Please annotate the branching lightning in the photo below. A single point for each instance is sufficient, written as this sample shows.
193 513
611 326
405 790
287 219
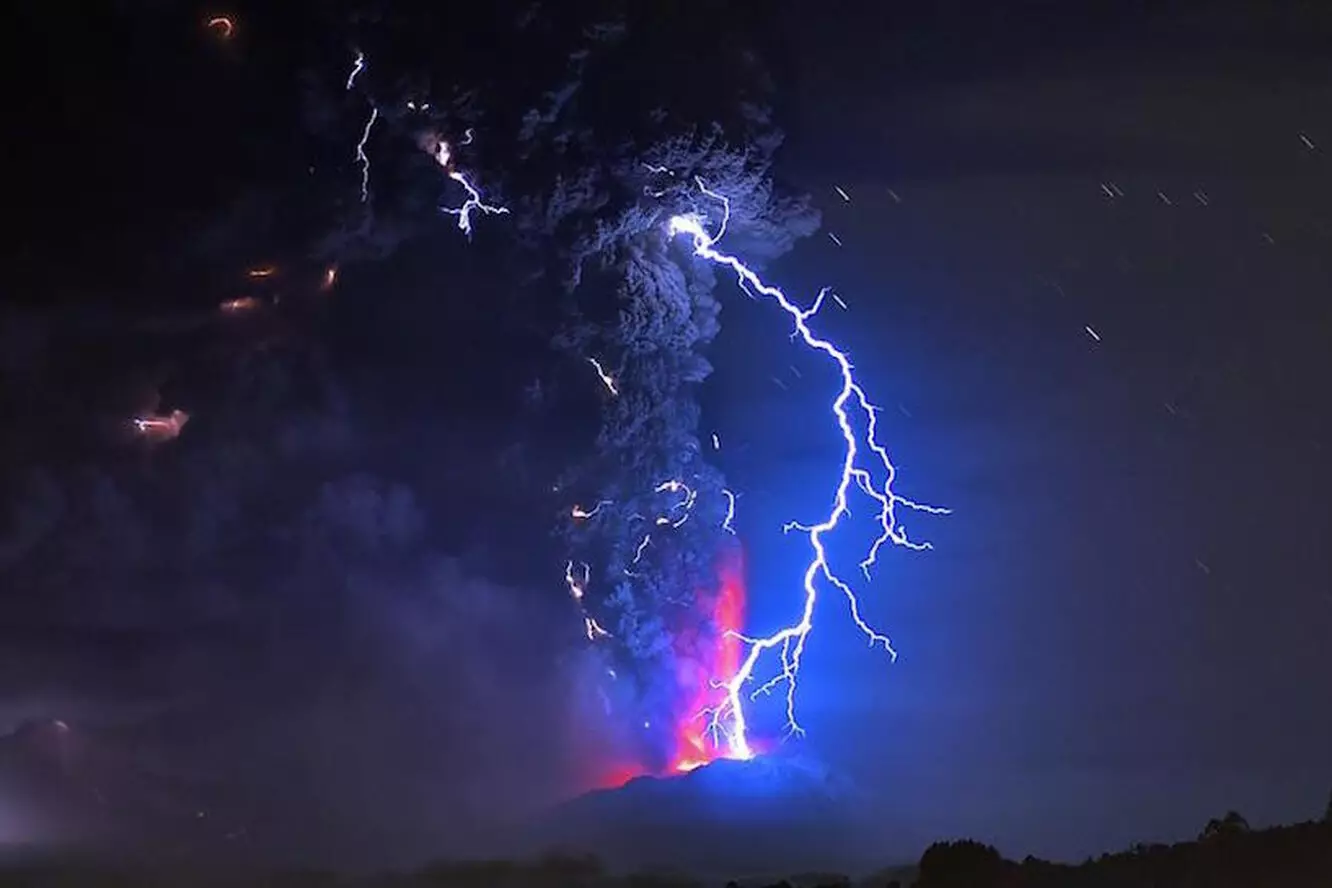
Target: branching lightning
438 148
443 154
865 465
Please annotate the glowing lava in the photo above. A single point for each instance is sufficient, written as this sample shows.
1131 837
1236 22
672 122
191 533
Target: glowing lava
695 743
717 652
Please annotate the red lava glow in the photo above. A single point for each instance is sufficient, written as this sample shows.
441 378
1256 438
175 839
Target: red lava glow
713 657
694 744
618 776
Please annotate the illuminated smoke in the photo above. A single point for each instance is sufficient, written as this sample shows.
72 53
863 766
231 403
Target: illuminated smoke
655 550
659 551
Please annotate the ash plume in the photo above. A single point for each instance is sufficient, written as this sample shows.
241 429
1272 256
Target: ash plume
280 588
592 146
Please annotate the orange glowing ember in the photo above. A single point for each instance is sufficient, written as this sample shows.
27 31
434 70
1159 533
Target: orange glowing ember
237 306
263 271
223 25
161 428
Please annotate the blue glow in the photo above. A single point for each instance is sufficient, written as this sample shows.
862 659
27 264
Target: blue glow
865 464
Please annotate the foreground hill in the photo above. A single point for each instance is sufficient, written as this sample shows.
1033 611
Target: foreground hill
1226 855
730 819
741 822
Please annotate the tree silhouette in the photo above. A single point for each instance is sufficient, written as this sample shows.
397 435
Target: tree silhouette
1230 825
963 864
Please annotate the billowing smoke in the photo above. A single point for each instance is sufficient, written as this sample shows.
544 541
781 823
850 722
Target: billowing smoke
645 317
317 586
605 125
276 603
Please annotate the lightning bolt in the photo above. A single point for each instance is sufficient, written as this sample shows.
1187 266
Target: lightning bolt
865 466
443 154
685 505
638 555
606 379
357 67
727 524
578 591
581 514
161 428
642 546
361 156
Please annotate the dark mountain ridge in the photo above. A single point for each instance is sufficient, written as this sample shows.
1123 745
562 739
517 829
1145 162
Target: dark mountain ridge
775 813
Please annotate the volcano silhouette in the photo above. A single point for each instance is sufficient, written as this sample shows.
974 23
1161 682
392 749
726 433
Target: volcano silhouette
771 815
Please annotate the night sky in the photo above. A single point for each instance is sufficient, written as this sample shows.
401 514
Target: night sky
1084 259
